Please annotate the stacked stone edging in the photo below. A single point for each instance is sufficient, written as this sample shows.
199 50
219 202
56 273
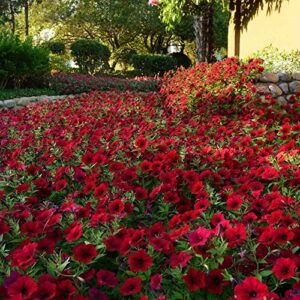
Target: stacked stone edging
19 102
282 86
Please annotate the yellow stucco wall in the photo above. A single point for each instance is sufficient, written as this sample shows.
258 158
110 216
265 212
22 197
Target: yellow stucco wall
280 28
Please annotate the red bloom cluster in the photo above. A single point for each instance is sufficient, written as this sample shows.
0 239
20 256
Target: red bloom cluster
111 195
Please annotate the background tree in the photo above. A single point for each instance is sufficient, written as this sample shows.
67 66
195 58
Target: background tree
203 15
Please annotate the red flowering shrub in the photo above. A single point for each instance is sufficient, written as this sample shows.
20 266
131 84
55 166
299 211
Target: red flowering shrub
80 83
226 83
112 195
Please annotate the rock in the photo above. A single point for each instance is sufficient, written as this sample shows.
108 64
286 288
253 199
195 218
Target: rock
294 86
23 101
9 103
296 76
269 77
284 87
284 77
282 101
1 104
276 91
263 88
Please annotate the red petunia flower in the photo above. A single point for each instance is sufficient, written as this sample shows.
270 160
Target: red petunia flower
199 237
85 253
24 257
269 173
23 287
284 268
155 281
140 261
105 277
65 290
141 193
101 190
234 202
179 259
214 282
46 291
131 286
251 289
116 207
73 232
194 279
4 228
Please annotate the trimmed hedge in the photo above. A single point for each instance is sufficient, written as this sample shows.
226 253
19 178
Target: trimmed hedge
90 56
151 64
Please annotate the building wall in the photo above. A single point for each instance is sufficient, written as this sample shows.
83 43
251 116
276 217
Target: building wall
279 28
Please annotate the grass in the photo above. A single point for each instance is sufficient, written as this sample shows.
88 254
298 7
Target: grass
27 92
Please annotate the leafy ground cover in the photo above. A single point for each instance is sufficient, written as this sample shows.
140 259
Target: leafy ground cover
117 195
16 93
80 83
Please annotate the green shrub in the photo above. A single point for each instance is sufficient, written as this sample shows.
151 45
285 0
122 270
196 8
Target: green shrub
90 56
56 47
21 63
123 56
276 60
182 60
150 64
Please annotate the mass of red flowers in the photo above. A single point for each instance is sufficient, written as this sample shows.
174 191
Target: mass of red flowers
121 195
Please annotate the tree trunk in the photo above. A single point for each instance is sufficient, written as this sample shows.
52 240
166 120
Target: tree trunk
26 10
199 38
12 17
203 26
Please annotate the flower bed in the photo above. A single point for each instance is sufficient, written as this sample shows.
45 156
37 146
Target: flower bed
80 83
129 200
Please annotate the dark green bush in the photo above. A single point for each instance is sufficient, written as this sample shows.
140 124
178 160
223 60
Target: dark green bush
90 56
182 60
123 56
150 64
56 47
21 63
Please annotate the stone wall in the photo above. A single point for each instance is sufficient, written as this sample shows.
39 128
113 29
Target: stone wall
19 102
282 86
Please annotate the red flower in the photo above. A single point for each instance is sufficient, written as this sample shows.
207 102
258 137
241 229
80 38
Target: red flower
155 281
73 232
23 287
85 253
284 268
179 259
108 278
141 193
46 245
65 290
140 261
101 190
199 237
194 279
131 286
46 291
214 282
4 228
269 173
116 207
234 202
171 197
24 257
60 185
251 289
